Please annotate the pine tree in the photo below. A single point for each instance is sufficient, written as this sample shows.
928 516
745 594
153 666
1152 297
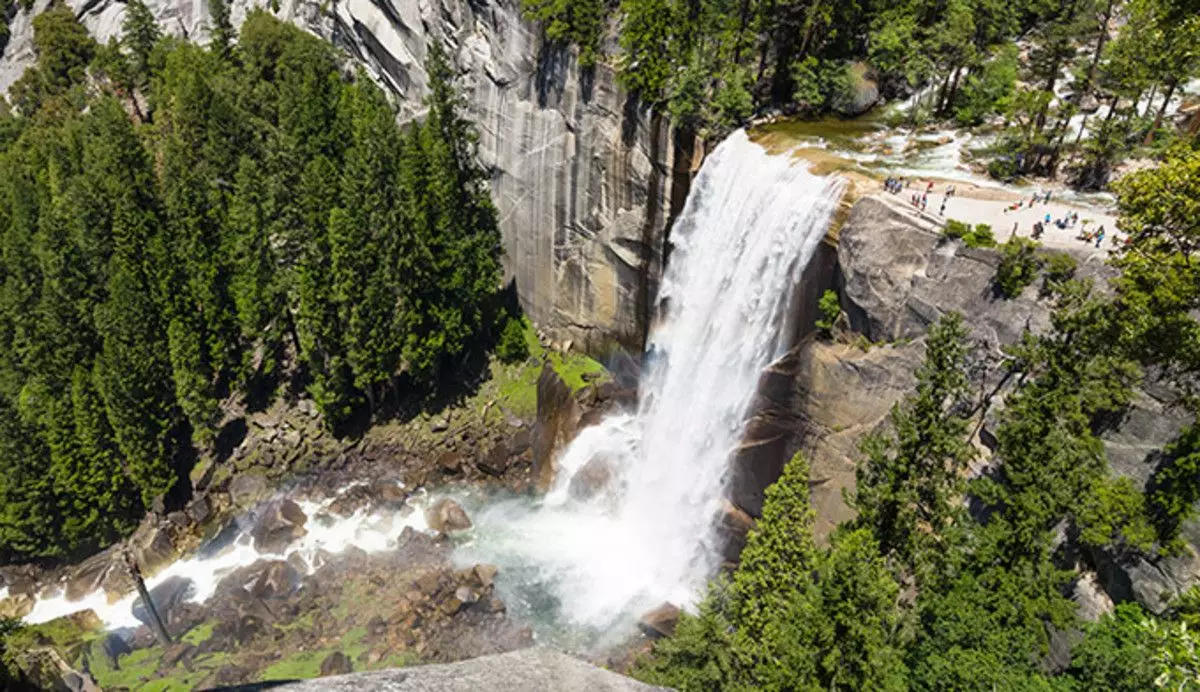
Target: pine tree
221 33
911 483
140 34
134 374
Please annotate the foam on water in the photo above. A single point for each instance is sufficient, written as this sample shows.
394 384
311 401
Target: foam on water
748 229
368 531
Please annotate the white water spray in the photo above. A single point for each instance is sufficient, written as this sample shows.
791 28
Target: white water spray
751 224
370 531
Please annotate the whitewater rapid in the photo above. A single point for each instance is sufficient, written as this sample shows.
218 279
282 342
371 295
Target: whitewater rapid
367 530
750 226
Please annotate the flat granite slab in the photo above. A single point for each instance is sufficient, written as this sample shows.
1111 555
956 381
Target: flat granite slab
535 669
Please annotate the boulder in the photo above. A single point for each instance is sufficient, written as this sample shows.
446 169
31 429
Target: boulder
485 575
279 524
495 462
861 93
248 489
733 525
92 574
152 545
447 516
336 663
199 510
594 478
276 579
167 596
113 647
660 622
558 416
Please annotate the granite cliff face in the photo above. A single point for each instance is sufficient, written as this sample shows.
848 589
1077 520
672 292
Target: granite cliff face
895 277
581 173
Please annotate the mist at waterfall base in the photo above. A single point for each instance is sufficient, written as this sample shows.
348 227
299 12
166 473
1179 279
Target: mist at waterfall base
581 571
585 569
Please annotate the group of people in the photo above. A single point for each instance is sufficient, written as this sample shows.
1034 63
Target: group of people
1098 236
919 200
1043 197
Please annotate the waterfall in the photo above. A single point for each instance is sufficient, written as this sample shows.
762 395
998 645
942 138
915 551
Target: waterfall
586 567
750 225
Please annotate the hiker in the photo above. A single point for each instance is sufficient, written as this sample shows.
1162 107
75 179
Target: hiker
1099 236
1047 217
942 211
924 201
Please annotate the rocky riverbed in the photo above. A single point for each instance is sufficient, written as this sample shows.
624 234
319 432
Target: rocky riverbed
304 554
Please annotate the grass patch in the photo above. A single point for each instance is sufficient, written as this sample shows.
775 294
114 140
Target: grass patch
403 659
136 668
352 643
199 634
516 384
300 665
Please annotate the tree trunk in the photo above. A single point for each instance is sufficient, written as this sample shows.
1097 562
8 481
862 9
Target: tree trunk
156 623
743 17
1162 111
1149 101
1100 41
953 89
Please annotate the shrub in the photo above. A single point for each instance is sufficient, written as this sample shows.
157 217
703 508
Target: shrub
512 347
1060 268
955 229
831 309
1019 265
980 236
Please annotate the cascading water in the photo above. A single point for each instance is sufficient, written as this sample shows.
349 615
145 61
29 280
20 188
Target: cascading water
750 226
583 569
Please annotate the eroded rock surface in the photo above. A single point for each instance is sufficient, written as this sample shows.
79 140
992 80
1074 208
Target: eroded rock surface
581 175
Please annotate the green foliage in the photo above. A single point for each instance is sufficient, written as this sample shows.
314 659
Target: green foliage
1115 653
830 308
1019 266
512 347
1113 513
1175 486
1159 286
909 487
978 237
989 91
646 44
63 49
819 83
580 22
955 229
151 267
793 617
1060 268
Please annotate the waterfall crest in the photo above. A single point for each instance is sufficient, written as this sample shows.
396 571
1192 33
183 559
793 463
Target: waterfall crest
750 226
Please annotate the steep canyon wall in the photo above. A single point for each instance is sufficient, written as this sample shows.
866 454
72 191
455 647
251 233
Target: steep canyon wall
582 174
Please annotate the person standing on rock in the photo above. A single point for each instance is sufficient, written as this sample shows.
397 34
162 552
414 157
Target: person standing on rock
942 211
1100 236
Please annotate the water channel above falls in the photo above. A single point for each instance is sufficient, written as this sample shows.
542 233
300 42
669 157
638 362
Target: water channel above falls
580 568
